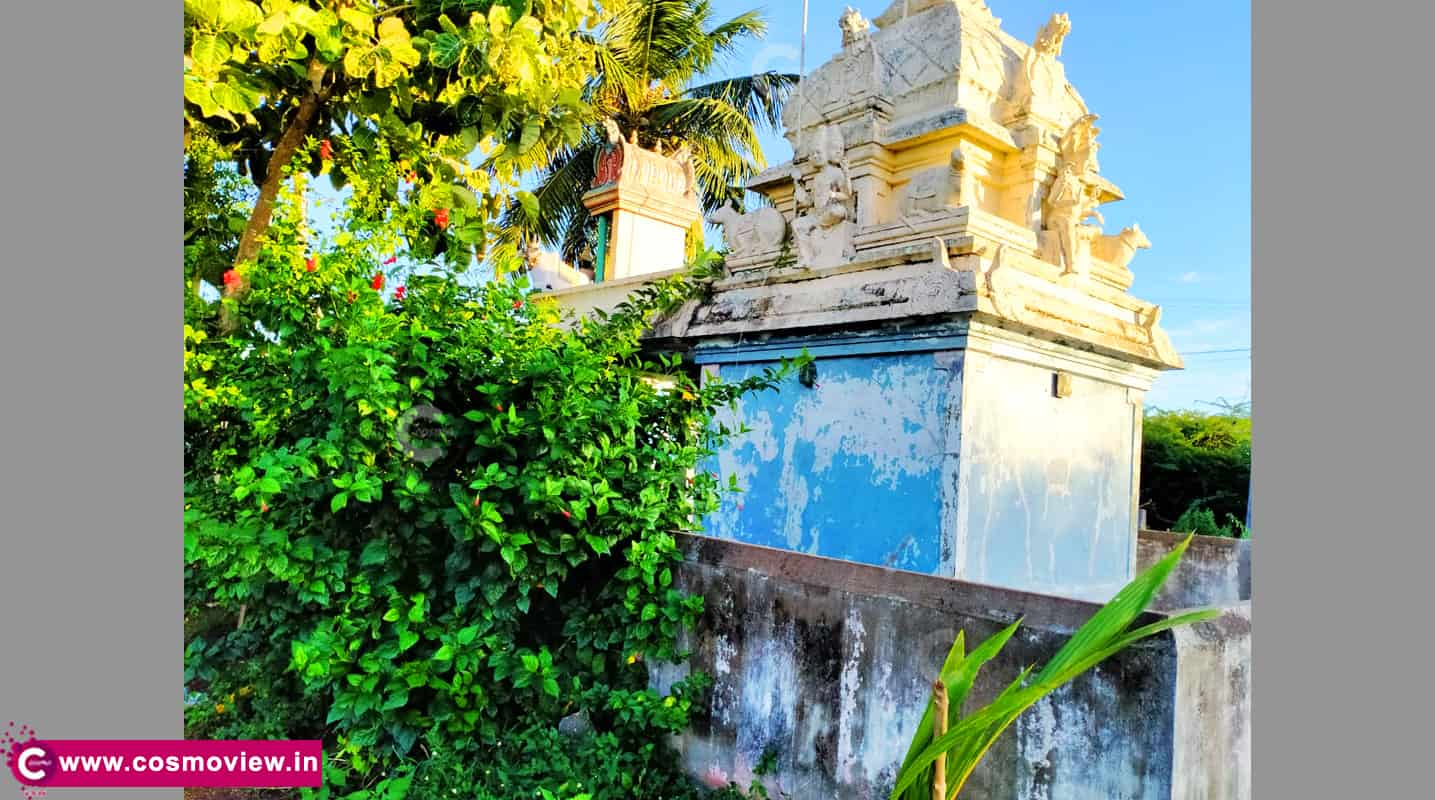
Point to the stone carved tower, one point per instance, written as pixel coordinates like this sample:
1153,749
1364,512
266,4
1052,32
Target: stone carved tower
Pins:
935,242
645,202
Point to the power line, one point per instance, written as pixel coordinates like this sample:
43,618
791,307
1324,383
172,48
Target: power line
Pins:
1211,352
1217,303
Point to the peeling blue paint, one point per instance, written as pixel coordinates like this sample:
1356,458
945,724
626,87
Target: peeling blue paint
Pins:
910,453
850,468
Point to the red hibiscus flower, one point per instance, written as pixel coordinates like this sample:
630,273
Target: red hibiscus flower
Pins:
311,264
517,304
326,150
390,260
567,514
231,278
440,218
377,282
399,293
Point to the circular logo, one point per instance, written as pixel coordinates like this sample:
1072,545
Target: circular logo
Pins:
419,434
34,763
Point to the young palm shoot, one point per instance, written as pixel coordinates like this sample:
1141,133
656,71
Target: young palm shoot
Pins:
947,745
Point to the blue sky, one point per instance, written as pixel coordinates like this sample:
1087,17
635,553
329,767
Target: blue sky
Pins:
1171,82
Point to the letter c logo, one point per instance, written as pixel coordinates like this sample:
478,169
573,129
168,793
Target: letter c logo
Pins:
29,754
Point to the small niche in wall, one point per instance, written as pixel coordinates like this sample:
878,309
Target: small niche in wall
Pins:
1060,384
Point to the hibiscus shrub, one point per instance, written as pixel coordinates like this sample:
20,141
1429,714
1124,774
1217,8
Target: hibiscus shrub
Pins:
432,519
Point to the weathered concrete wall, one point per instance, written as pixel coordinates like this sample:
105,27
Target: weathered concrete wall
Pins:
828,664
1214,571
1213,707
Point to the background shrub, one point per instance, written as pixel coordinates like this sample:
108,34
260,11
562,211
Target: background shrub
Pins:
1192,461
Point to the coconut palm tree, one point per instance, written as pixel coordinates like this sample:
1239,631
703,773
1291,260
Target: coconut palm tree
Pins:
650,53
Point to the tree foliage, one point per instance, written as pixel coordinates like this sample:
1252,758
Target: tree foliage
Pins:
1193,460
420,84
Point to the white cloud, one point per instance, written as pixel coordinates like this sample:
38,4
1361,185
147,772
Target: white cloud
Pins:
1191,277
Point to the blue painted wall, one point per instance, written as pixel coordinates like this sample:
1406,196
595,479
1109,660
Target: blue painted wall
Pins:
888,460
849,468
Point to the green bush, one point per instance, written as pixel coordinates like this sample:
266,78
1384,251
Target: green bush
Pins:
1203,521
1194,460
433,526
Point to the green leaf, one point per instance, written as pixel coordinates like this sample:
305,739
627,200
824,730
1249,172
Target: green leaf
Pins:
392,32
209,52
239,15
360,61
232,99
531,128
273,25
444,653
398,699
529,204
465,636
407,639
198,93
375,552
340,500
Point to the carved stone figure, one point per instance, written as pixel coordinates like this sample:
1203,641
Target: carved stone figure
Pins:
934,190
823,227
1121,248
803,220
1072,199
615,135
1040,75
684,157
1065,202
610,161
1078,145
1160,341
546,271
744,235
854,27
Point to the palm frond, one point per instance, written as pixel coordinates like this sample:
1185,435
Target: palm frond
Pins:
559,193
758,97
726,38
